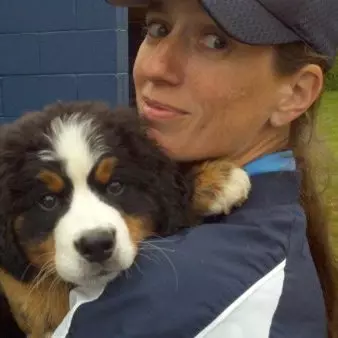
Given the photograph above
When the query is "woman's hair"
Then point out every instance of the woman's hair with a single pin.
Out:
(312, 161)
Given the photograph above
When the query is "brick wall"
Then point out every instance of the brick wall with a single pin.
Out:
(61, 50)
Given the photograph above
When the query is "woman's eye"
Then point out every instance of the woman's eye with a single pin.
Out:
(49, 202)
(115, 188)
(156, 30)
(214, 41)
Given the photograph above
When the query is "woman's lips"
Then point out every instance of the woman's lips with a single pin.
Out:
(154, 110)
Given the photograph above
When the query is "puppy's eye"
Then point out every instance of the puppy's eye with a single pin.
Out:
(115, 188)
(49, 202)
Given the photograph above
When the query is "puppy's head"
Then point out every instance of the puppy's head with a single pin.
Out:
(80, 187)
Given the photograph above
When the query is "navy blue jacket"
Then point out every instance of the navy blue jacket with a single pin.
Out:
(249, 274)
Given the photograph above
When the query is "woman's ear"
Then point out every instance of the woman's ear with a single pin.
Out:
(298, 95)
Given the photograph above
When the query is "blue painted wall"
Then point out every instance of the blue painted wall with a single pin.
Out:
(61, 50)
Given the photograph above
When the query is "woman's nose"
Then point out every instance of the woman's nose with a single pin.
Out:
(165, 62)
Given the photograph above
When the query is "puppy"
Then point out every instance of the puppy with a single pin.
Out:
(81, 186)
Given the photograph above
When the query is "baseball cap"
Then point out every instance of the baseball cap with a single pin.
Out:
(269, 22)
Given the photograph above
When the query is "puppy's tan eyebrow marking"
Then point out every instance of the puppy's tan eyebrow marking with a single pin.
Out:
(105, 170)
(53, 181)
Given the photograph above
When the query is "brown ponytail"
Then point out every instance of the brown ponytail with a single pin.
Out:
(311, 157)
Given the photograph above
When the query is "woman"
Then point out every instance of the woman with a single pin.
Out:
(240, 79)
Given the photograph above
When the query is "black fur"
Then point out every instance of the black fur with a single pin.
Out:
(155, 185)
(8, 326)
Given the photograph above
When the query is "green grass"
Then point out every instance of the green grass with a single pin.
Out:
(329, 131)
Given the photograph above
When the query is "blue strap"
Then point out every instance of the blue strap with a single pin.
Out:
(280, 161)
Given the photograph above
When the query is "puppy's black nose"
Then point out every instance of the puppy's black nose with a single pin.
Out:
(96, 245)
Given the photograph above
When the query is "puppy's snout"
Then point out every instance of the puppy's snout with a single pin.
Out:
(96, 245)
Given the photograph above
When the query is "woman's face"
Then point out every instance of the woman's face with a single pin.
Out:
(203, 93)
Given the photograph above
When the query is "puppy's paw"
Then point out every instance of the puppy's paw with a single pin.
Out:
(219, 186)
(233, 192)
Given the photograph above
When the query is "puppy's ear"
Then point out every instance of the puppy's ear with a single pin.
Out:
(175, 195)
(12, 258)
(175, 191)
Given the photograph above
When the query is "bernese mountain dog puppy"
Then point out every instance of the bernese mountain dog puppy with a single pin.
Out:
(81, 185)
